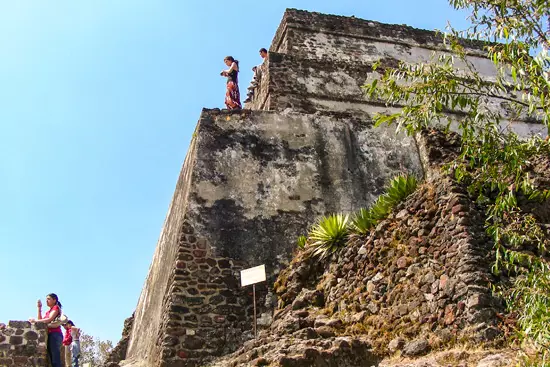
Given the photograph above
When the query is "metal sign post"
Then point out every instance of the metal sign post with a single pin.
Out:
(252, 276)
(254, 298)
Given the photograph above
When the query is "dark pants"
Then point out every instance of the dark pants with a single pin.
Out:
(54, 348)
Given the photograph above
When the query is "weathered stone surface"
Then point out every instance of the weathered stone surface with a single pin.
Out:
(254, 180)
(396, 344)
(22, 344)
(244, 226)
(495, 360)
(119, 351)
(416, 348)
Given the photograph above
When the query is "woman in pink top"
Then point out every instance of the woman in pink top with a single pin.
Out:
(55, 336)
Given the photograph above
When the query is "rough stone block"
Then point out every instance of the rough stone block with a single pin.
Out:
(19, 324)
(16, 340)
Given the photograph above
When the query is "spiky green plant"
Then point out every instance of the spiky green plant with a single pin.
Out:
(301, 242)
(328, 235)
(363, 221)
(399, 188)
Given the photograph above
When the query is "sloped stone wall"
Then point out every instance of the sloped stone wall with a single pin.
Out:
(23, 344)
(424, 269)
(418, 281)
(255, 181)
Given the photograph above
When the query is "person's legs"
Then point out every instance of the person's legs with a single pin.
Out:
(232, 97)
(75, 351)
(54, 345)
(66, 352)
(49, 348)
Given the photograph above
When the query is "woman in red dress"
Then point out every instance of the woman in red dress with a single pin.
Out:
(232, 95)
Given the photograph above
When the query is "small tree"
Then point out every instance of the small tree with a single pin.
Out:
(494, 162)
(94, 350)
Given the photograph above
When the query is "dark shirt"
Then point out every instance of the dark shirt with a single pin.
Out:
(233, 76)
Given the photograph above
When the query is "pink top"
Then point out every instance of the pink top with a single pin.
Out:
(55, 329)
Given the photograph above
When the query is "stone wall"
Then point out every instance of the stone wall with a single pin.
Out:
(23, 344)
(146, 329)
(296, 21)
(320, 62)
(424, 269)
(254, 180)
(259, 180)
(419, 281)
(118, 353)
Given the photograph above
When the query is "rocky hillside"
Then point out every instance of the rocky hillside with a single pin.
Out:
(414, 292)
(417, 283)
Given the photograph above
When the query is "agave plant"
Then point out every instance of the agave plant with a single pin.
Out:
(380, 208)
(328, 235)
(301, 242)
(400, 187)
(363, 221)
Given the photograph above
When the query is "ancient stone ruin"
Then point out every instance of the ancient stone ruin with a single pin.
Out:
(256, 179)
(22, 344)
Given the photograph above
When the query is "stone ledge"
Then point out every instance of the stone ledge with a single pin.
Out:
(23, 344)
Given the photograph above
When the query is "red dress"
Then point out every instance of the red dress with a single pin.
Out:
(232, 95)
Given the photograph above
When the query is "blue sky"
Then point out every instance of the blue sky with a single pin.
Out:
(98, 101)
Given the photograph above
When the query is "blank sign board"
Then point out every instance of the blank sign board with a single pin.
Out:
(253, 275)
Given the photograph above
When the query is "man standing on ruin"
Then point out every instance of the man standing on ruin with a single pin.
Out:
(256, 77)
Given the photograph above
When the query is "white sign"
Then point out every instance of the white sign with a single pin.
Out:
(253, 275)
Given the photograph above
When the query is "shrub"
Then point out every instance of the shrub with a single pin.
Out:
(400, 187)
(328, 235)
(363, 221)
(530, 293)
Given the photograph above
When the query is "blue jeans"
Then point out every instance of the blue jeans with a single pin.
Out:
(75, 352)
(54, 348)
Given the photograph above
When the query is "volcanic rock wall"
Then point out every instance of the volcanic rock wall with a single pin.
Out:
(23, 344)
(320, 62)
(253, 182)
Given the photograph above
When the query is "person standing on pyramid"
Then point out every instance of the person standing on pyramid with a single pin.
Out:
(55, 336)
(257, 70)
(232, 95)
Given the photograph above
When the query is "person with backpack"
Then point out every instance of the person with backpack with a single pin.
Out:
(72, 342)
(55, 336)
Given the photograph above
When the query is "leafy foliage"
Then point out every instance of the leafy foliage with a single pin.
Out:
(494, 161)
(530, 294)
(328, 235)
(94, 350)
